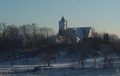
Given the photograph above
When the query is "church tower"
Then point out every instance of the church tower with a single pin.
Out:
(63, 24)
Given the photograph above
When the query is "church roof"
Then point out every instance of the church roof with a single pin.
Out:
(86, 31)
(62, 19)
(81, 32)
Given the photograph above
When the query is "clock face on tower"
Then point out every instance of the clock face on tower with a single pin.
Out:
(61, 24)
(65, 23)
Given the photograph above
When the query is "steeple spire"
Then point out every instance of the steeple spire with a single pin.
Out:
(62, 14)
(63, 24)
(62, 19)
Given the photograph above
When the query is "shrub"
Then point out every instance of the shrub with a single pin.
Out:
(91, 67)
(36, 68)
(45, 69)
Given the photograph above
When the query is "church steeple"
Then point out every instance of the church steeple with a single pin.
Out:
(62, 19)
(63, 24)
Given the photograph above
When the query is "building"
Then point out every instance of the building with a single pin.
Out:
(75, 33)
(18, 41)
(59, 39)
(63, 24)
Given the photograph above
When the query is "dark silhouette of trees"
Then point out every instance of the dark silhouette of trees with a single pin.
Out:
(95, 46)
(37, 37)
(44, 34)
(3, 29)
(106, 38)
(83, 50)
(9, 38)
(34, 31)
(60, 33)
(113, 38)
(25, 30)
(12, 31)
(108, 52)
(49, 54)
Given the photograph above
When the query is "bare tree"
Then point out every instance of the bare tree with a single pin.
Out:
(12, 31)
(3, 38)
(44, 34)
(83, 50)
(34, 31)
(95, 46)
(26, 30)
(23, 30)
(3, 29)
(113, 38)
(108, 54)
(49, 53)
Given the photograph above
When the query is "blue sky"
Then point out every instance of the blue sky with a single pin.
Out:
(103, 15)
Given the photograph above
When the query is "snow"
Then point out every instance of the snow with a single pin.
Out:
(59, 39)
(86, 31)
(81, 32)
(61, 67)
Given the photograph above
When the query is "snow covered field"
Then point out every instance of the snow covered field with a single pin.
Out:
(63, 66)
(68, 72)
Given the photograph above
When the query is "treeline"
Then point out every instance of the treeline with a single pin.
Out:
(32, 32)
(102, 44)
(111, 37)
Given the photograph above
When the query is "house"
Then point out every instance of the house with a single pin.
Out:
(59, 39)
(18, 41)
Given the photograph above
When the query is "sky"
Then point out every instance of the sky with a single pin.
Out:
(102, 15)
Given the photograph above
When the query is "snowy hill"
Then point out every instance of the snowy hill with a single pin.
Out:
(62, 65)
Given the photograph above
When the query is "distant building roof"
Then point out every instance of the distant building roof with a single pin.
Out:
(81, 32)
(62, 19)
(86, 31)
(17, 38)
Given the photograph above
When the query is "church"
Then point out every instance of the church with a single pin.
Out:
(75, 34)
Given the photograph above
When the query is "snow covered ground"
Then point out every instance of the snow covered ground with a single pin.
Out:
(68, 72)
(63, 66)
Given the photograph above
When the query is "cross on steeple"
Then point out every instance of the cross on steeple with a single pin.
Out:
(62, 14)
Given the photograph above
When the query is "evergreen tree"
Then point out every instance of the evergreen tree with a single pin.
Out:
(106, 38)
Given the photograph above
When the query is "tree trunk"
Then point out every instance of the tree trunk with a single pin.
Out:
(85, 59)
(94, 62)
(105, 62)
(49, 62)
(82, 63)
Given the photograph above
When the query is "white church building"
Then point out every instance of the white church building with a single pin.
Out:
(75, 34)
